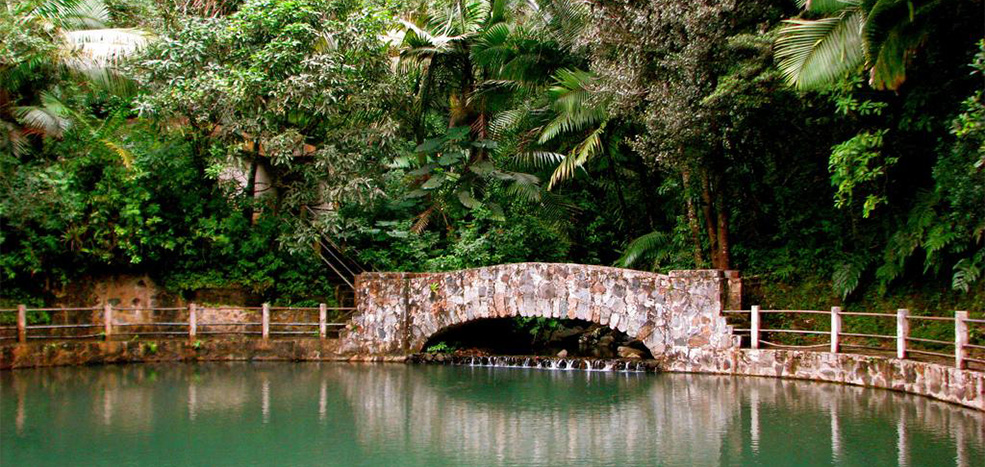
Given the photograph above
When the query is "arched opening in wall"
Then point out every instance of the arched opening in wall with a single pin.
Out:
(536, 336)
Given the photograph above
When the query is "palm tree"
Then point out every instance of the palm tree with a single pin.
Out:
(877, 35)
(437, 47)
(577, 111)
(72, 40)
(475, 57)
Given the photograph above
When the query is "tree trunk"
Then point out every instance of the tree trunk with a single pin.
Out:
(706, 206)
(645, 187)
(624, 211)
(723, 243)
(692, 218)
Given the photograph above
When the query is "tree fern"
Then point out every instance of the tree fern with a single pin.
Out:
(848, 274)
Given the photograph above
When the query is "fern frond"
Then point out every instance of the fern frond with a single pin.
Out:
(126, 157)
(422, 220)
(848, 275)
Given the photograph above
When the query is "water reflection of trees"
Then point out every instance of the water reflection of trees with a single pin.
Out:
(485, 415)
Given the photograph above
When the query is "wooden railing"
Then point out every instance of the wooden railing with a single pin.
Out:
(100, 323)
(906, 344)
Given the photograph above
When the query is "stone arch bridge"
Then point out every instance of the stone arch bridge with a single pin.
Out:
(676, 313)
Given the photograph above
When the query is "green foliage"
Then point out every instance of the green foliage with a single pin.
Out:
(256, 138)
(858, 162)
(538, 328)
(880, 35)
(440, 347)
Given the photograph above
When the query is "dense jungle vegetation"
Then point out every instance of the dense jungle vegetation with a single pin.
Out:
(833, 150)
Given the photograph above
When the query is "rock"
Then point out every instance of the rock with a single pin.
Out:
(563, 353)
(565, 333)
(629, 352)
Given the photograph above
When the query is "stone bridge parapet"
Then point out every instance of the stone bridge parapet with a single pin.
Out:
(681, 311)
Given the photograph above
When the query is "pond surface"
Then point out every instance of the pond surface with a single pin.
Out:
(347, 414)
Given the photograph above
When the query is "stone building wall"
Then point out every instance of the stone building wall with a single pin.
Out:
(398, 312)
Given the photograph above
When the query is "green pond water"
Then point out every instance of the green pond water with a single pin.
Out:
(401, 415)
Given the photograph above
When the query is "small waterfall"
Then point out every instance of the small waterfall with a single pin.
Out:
(543, 363)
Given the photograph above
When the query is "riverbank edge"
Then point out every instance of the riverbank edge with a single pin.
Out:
(944, 383)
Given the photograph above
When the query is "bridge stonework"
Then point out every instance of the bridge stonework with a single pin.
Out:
(675, 313)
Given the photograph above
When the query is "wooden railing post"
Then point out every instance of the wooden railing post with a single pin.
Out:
(835, 328)
(266, 321)
(902, 331)
(322, 320)
(108, 320)
(754, 331)
(192, 321)
(22, 323)
(960, 338)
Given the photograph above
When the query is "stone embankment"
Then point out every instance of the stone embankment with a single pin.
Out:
(62, 353)
(677, 316)
(963, 387)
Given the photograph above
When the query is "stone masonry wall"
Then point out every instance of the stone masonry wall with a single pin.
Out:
(946, 383)
(398, 312)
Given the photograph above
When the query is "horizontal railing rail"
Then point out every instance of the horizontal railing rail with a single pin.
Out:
(78, 322)
(964, 352)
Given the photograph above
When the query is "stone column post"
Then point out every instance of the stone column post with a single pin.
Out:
(22, 323)
(960, 338)
(733, 290)
(265, 321)
(108, 320)
(192, 321)
(322, 320)
(902, 331)
(835, 328)
(754, 332)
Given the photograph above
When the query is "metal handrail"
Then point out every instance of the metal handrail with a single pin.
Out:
(903, 336)
(112, 327)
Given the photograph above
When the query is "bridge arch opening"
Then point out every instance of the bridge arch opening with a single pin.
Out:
(536, 336)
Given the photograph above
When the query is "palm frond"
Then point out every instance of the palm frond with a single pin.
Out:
(827, 6)
(814, 53)
(578, 157)
(105, 46)
(507, 121)
(538, 159)
(80, 14)
(529, 192)
(653, 244)
(492, 49)
(893, 30)
(12, 139)
(51, 118)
